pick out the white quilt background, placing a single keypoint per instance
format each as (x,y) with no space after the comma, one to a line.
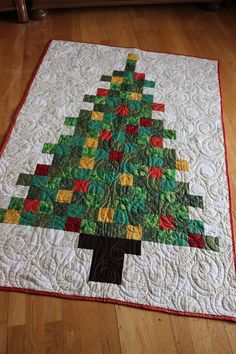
(171,277)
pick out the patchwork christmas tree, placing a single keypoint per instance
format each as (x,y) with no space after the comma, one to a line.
(113,181)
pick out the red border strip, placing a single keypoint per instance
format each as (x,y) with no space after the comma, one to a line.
(113,301)
(117,302)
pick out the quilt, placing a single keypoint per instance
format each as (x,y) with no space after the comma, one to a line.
(113,183)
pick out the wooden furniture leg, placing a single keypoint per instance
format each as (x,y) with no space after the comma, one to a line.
(38,14)
(21,11)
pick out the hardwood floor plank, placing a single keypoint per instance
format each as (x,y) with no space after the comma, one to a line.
(34,331)
(17,310)
(145,332)
(90,325)
(54,341)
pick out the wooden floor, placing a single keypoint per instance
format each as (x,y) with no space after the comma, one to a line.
(36,324)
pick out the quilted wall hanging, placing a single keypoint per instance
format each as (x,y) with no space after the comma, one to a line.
(114,183)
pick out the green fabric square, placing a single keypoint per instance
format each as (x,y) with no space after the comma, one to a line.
(151,220)
(168,197)
(102,154)
(155,160)
(143,139)
(27,218)
(118,136)
(16,203)
(64,140)
(35,193)
(168,173)
(166,208)
(89,98)
(212,243)
(148,83)
(49,148)
(89,152)
(53,183)
(195,201)
(133,120)
(181,225)
(44,220)
(88,227)
(130,148)
(62,149)
(195,227)
(24,179)
(138,206)
(77,141)
(100,100)
(120,216)
(168,185)
(106,78)
(149,234)
(58,222)
(138,193)
(49,195)
(169,134)
(147,98)
(181,211)
(71,121)
(169,158)
(165,236)
(180,238)
(75,211)
(45,206)
(39,181)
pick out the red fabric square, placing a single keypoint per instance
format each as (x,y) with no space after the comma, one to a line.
(196,240)
(122,110)
(156,141)
(42,170)
(166,222)
(102,92)
(132,129)
(105,134)
(80,185)
(73,224)
(139,76)
(154,172)
(31,205)
(146,122)
(115,155)
(160,107)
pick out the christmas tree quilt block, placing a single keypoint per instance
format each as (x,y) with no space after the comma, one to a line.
(118,182)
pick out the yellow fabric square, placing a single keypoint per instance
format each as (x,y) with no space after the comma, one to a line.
(117,80)
(97,115)
(91,143)
(11,217)
(126,179)
(64,196)
(182,165)
(134,232)
(106,214)
(132,56)
(86,163)
(136,96)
